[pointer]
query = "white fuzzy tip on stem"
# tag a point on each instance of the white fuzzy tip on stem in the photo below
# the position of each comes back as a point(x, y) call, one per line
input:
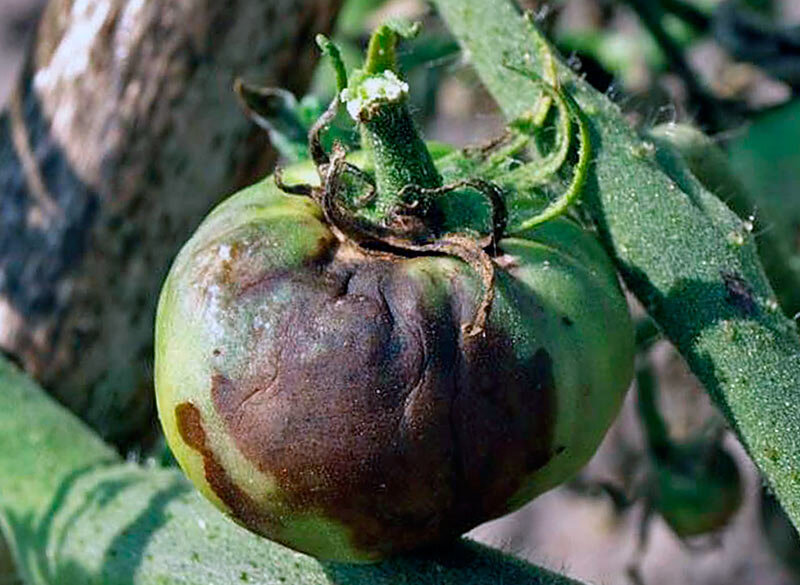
point(385, 87)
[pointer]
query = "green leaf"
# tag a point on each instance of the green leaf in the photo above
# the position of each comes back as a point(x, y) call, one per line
point(686, 256)
point(766, 159)
point(763, 207)
point(74, 513)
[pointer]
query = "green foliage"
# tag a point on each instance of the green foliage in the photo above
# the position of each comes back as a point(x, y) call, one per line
point(686, 256)
point(766, 159)
point(760, 207)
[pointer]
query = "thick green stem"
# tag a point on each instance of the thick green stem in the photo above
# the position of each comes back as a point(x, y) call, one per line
point(686, 256)
point(710, 165)
point(399, 154)
point(377, 100)
point(74, 513)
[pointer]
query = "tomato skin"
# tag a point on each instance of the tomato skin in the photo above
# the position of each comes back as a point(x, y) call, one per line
point(330, 400)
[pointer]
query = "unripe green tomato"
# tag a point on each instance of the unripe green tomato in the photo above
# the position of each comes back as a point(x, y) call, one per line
point(331, 401)
point(698, 489)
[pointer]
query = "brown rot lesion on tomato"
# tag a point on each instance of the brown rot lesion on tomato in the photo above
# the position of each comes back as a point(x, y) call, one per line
point(192, 431)
point(498, 439)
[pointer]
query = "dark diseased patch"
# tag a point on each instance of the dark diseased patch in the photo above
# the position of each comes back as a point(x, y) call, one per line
point(739, 293)
point(190, 427)
point(506, 421)
point(388, 422)
point(567, 321)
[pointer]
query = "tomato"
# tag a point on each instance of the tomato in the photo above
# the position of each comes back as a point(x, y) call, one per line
point(330, 399)
point(697, 489)
point(360, 370)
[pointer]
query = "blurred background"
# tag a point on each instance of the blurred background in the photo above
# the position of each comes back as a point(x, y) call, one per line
point(17, 22)
point(671, 497)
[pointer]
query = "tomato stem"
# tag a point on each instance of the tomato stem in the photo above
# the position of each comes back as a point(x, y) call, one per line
point(331, 50)
point(381, 55)
point(377, 99)
point(656, 433)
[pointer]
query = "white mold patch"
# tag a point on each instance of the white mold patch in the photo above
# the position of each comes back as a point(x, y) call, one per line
point(385, 87)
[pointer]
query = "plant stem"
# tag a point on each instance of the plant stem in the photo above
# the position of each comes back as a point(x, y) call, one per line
point(398, 152)
point(656, 433)
point(710, 165)
point(378, 100)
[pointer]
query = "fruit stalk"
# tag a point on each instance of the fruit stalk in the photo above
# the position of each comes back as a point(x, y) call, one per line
point(377, 99)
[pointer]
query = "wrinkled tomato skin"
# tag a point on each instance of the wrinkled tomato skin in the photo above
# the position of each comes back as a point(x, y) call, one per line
point(329, 400)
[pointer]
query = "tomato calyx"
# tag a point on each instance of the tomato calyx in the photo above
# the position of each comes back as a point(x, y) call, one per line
point(395, 213)
point(403, 207)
